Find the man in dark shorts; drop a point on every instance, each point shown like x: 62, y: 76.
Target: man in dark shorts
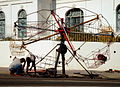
x: 30, y: 60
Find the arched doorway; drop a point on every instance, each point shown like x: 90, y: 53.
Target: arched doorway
x: 118, y: 18
x: 2, y: 25
x: 22, y: 21
x: 73, y: 17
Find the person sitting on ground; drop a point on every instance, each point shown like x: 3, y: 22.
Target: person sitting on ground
x: 17, y: 66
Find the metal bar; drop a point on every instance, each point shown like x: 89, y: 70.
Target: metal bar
x: 86, y: 21
x: 47, y: 54
x: 41, y: 39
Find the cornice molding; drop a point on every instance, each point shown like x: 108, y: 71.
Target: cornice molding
x: 69, y: 1
x: 14, y: 2
x: 3, y: 1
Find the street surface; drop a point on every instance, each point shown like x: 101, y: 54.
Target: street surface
x: 6, y: 80
x: 33, y: 81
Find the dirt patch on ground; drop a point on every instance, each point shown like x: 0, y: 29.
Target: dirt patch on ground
x: 4, y: 70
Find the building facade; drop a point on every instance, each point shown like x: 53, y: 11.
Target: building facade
x: 108, y: 8
x: 17, y: 10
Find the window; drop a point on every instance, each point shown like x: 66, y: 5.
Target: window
x: 118, y: 18
x: 22, y: 21
x: 2, y: 25
x: 74, y: 17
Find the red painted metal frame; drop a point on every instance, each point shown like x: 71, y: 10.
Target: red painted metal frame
x: 63, y: 29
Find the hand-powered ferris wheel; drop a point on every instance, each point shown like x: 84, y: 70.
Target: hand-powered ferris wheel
x: 53, y: 27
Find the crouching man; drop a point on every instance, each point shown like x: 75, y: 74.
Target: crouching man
x: 17, y: 66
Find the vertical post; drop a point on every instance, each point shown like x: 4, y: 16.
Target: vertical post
x: 62, y: 48
x: 63, y: 64
x: 56, y: 63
